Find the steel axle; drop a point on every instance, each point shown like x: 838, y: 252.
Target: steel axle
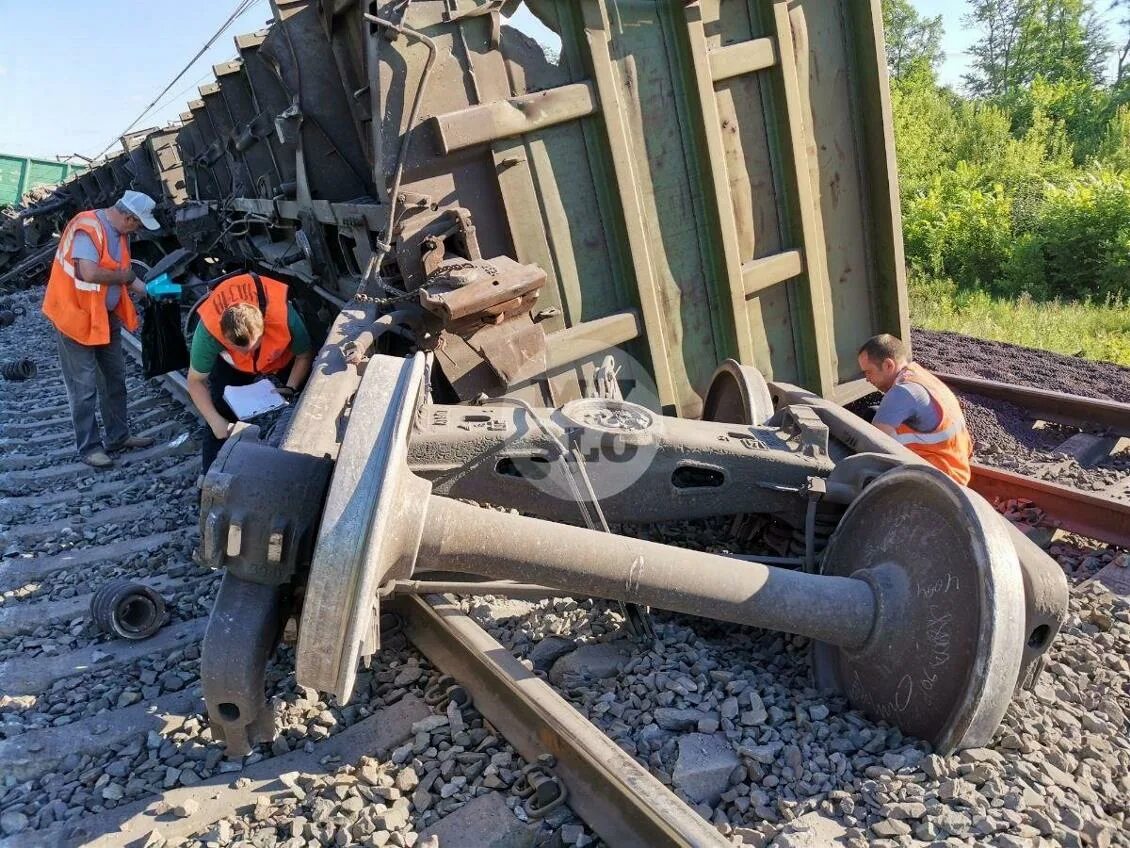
x: 460, y: 537
x: 923, y: 596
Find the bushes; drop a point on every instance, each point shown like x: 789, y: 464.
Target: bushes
x: 959, y: 229
x: 1069, y: 241
x: 1079, y: 244
x: 1025, y: 194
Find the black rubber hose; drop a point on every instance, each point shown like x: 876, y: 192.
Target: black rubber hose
x: 16, y: 370
x: 127, y: 610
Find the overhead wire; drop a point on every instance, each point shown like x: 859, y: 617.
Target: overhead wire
x: 181, y: 92
x: 242, y: 7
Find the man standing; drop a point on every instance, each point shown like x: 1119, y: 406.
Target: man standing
x: 918, y: 409
x: 87, y: 302
x: 247, y: 330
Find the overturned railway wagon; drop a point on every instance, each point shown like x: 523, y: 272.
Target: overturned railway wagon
x: 621, y: 283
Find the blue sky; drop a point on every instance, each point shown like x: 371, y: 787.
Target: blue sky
x: 73, y: 76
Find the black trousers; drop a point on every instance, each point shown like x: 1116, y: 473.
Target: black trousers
x: 220, y: 377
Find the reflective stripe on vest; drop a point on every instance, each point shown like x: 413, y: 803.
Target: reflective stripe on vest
x: 948, y: 446
x: 76, y: 307
x: 67, y: 245
x: 934, y: 438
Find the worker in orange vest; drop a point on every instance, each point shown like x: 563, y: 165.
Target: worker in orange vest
x: 87, y: 301
x: 918, y: 409
x: 247, y: 330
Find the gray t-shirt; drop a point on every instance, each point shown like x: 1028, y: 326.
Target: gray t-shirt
x: 83, y: 247
x: 909, y: 404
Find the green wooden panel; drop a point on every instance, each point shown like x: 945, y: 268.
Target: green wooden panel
x: 20, y: 174
x: 669, y: 195
x: 11, y: 179
x: 44, y: 173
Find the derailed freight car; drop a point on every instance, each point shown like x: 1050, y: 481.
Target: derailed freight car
x: 509, y: 246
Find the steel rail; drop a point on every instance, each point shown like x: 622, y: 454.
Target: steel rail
x: 616, y: 796
x: 1058, y: 407
x: 1090, y: 515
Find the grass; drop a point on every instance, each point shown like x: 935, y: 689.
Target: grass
x: 1099, y: 331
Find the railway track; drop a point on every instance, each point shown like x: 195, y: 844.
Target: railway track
x: 1105, y: 424
x: 105, y: 742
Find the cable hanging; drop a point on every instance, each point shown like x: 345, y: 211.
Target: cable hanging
x: 241, y: 7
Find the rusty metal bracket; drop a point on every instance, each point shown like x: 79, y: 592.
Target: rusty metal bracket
x: 541, y: 788
x: 245, y: 525
x: 243, y: 630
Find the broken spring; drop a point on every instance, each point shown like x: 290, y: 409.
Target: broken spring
x: 16, y: 370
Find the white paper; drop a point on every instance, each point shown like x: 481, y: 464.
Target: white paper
x: 247, y: 402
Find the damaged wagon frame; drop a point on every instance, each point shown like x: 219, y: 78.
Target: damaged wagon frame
x: 501, y: 248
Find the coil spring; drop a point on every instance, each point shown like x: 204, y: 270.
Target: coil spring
x: 16, y: 370
x: 127, y: 610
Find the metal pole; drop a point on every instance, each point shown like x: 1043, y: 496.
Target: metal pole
x: 456, y: 536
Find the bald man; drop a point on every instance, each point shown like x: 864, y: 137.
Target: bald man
x: 918, y: 409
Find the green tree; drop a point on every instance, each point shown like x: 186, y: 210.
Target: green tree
x: 1122, y: 55
x: 1020, y: 39
x: 914, y: 42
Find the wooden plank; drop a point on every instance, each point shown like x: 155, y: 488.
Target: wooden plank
x: 798, y: 110
x: 745, y: 57
x: 497, y: 80
x: 501, y: 119
x: 591, y: 337
x: 701, y: 61
x: 33, y: 675
x: 18, y: 572
x: 76, y: 523
x: 877, y: 143
x: 597, y: 28
x: 88, y: 491
x: 177, y: 446
x: 760, y: 274
x: 1088, y: 449
x: 743, y: 103
x: 850, y: 391
x: 30, y: 460
x: 60, y: 414
x: 37, y: 751
x: 1115, y: 575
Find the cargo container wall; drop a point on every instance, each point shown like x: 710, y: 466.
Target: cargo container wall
x: 20, y: 174
x: 724, y: 167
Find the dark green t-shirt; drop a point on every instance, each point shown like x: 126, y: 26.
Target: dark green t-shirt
x: 206, y: 347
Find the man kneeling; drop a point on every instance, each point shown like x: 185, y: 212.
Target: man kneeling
x: 247, y: 330
x: 918, y: 409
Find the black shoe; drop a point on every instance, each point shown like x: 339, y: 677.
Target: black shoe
x: 132, y: 443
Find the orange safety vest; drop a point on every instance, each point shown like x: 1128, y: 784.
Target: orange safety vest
x: 948, y: 447
x: 77, y: 308
x: 273, y: 353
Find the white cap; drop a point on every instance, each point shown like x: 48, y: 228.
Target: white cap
x: 141, y: 206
